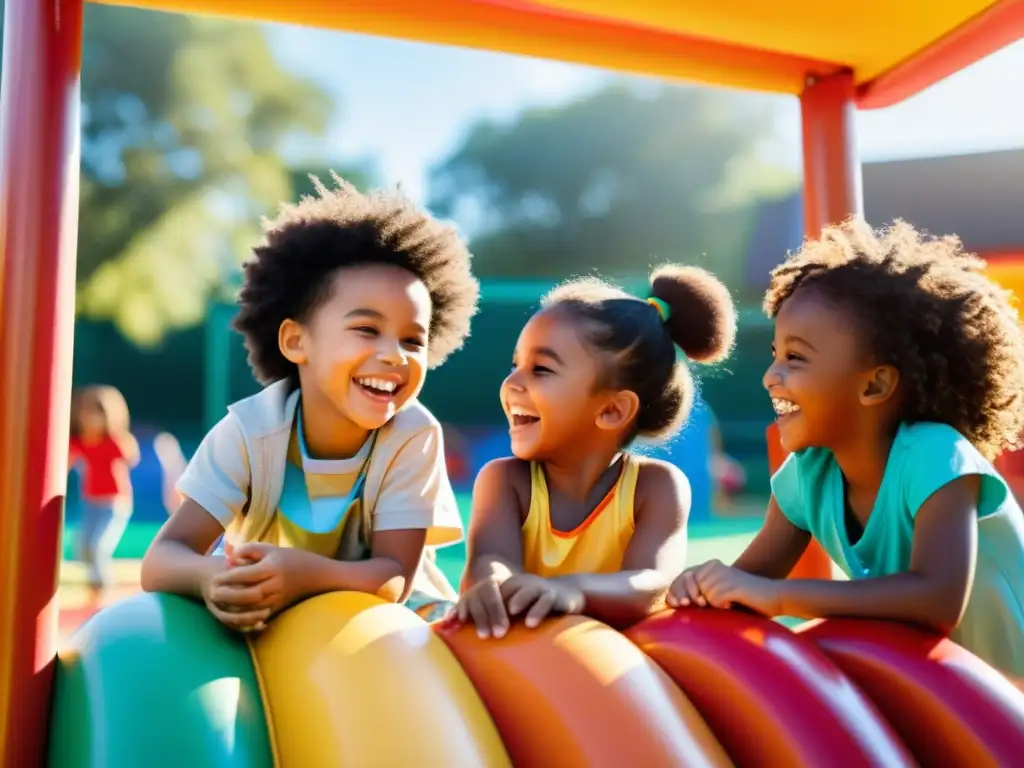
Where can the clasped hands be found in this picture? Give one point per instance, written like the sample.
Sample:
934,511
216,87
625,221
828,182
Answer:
257,581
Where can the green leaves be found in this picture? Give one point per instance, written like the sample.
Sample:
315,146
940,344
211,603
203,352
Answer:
183,122
618,180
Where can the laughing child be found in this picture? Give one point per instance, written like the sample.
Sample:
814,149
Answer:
898,376
333,476
575,523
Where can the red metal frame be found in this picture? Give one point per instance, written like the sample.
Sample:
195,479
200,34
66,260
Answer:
832,192
992,29
39,166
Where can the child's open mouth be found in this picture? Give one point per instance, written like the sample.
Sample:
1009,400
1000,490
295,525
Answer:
784,407
379,388
521,418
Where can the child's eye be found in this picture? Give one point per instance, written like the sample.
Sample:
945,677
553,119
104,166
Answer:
366,330
794,356
541,370
417,343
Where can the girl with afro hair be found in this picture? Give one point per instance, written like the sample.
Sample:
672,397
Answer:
898,377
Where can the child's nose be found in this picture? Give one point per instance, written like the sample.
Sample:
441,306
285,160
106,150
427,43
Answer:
390,351
512,381
772,377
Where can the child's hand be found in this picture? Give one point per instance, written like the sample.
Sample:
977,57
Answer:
722,586
539,597
484,606
262,577
231,615
685,590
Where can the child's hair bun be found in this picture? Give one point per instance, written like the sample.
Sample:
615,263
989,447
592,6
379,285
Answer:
702,316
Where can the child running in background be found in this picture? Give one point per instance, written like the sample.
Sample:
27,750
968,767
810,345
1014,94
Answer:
104,450
898,377
574,523
333,477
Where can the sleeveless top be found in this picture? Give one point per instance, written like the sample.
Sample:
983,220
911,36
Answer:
597,545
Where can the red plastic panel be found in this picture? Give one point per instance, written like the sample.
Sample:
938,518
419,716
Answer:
770,697
948,706
574,692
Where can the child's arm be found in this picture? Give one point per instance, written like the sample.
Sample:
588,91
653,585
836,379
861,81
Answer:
215,486
494,545
656,552
279,576
177,563
128,447
777,547
495,548
934,592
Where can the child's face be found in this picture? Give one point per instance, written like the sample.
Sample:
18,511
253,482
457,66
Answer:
364,351
549,396
818,374
91,419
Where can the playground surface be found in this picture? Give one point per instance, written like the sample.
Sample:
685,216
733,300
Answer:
723,538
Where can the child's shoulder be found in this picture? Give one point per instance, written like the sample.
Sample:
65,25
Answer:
660,484
410,420
507,471
934,434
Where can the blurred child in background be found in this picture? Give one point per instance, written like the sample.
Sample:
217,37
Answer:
103,450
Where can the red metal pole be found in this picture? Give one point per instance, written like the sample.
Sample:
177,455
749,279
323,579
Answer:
832,192
39,166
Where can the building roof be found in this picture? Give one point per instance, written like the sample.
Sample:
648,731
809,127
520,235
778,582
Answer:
979,197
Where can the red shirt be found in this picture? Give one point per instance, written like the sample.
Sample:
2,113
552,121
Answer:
104,474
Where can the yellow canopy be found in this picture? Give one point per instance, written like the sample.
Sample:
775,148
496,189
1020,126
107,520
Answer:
753,44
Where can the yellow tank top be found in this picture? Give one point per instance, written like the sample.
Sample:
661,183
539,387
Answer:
597,545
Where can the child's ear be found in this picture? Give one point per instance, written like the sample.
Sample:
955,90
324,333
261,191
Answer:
291,341
880,385
619,409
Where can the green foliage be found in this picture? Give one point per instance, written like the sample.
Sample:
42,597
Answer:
183,119
614,181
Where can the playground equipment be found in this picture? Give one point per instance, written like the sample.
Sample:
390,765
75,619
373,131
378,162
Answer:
836,57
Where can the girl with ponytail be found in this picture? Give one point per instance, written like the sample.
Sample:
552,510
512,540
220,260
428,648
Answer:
574,522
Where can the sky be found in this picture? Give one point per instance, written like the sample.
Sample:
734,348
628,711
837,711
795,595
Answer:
407,105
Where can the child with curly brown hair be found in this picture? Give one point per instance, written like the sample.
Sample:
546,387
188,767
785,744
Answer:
574,522
333,477
898,376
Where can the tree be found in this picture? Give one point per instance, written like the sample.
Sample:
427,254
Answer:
613,181
183,120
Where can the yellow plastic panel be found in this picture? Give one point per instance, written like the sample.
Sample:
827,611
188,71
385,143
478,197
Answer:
511,27
350,680
870,36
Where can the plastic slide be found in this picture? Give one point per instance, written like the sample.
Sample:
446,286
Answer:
156,681
797,708
351,680
578,689
348,680
947,705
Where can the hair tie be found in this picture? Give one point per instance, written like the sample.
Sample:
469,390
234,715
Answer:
664,311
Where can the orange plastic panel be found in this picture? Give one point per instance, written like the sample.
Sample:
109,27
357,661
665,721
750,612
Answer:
512,27
772,699
948,706
574,692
